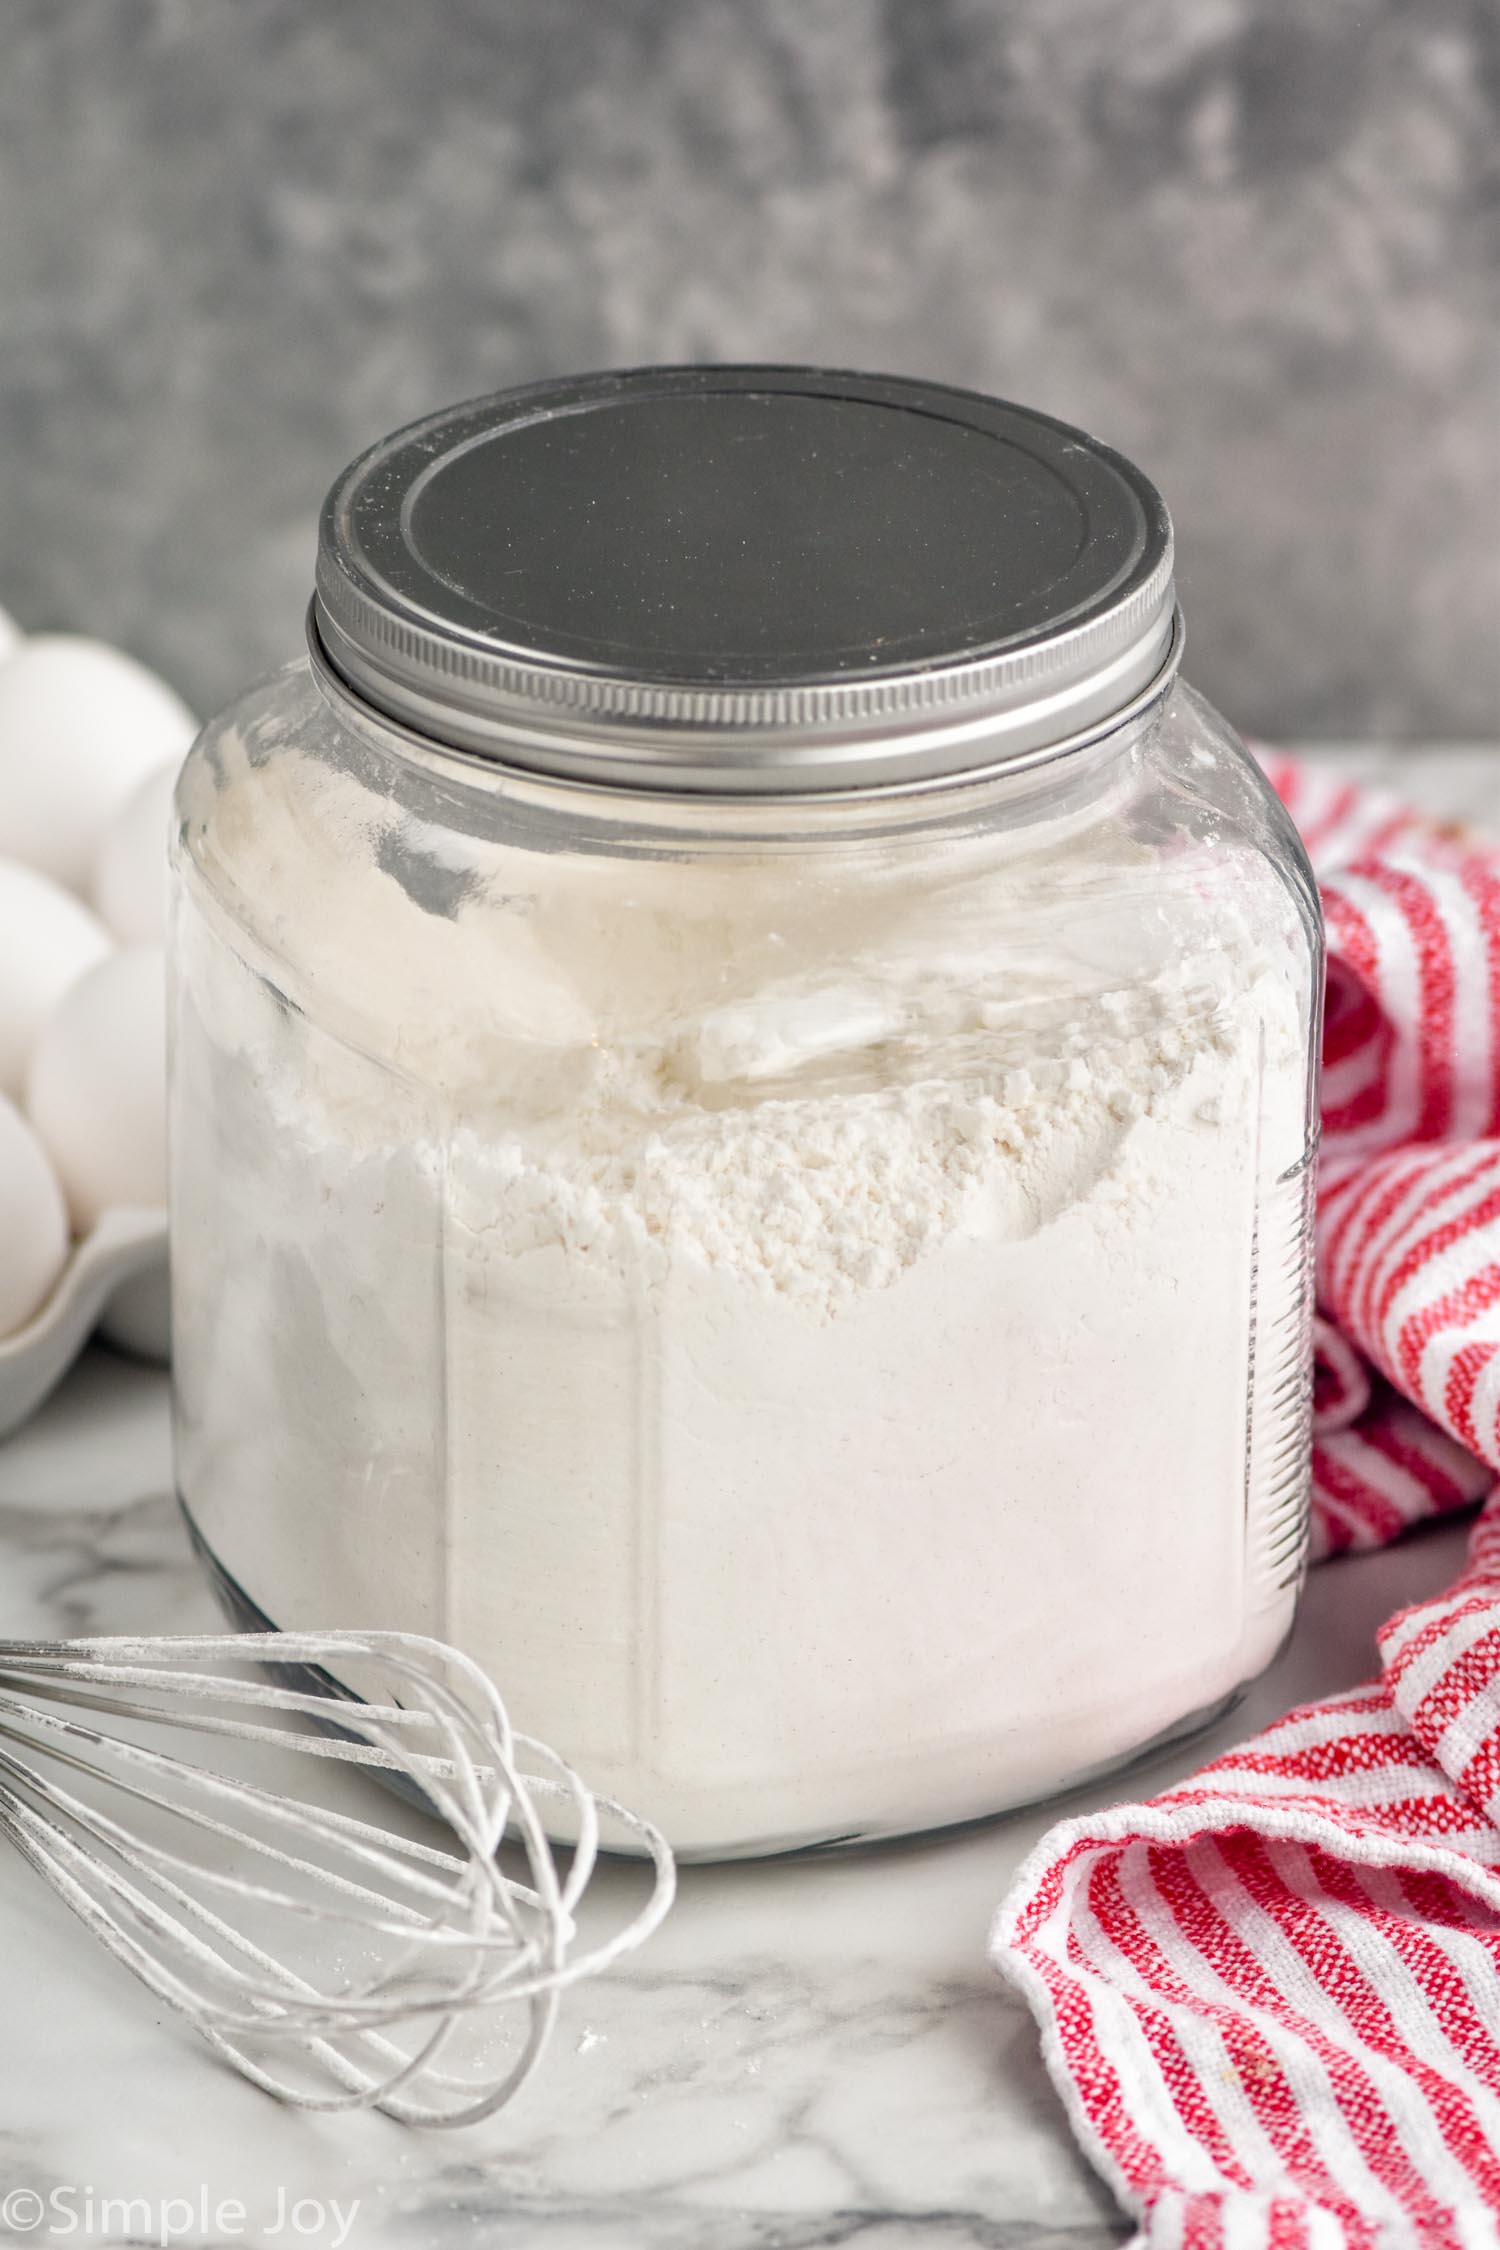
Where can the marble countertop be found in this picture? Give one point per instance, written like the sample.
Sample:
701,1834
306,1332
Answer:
809,2053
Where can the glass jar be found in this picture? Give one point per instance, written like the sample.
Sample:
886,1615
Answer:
742,1105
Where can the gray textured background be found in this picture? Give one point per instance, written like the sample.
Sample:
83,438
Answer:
1253,242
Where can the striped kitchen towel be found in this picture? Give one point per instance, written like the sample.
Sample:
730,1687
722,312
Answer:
1270,1998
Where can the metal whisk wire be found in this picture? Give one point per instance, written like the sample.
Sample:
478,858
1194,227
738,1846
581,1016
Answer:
449,1931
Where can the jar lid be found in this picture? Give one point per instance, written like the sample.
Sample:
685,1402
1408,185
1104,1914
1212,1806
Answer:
747,580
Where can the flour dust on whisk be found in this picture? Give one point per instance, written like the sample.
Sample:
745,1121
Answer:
339,1962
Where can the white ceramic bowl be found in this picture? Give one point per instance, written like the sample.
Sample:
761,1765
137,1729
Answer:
115,1279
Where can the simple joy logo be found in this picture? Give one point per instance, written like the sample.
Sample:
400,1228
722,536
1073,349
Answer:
88,2214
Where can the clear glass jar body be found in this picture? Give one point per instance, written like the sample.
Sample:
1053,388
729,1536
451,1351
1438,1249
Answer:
813,1296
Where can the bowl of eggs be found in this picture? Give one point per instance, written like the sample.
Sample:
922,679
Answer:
90,745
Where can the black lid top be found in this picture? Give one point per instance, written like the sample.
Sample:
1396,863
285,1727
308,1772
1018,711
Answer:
745,578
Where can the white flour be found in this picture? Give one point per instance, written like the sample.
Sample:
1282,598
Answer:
793,1332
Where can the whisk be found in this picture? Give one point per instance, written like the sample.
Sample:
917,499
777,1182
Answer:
331,1958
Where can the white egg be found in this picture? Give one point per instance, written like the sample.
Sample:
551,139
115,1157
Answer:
81,726
48,939
130,875
33,1222
11,635
97,1086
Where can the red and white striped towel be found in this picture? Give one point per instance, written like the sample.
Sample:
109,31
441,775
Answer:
1270,1999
